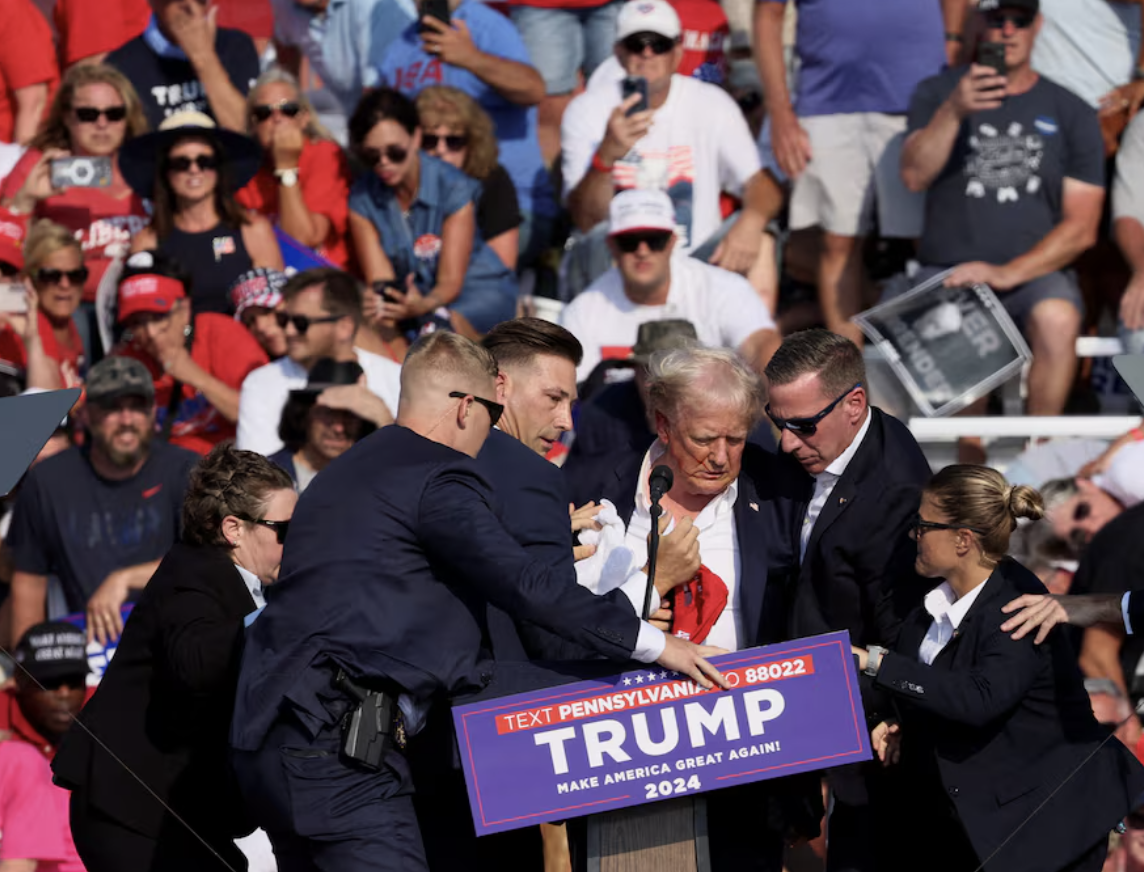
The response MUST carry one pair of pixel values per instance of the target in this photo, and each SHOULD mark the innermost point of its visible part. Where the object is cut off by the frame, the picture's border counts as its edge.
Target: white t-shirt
(1088, 46)
(722, 305)
(265, 391)
(698, 145)
(1128, 186)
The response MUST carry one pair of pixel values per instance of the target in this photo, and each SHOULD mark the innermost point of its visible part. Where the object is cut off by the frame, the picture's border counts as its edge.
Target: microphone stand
(652, 553)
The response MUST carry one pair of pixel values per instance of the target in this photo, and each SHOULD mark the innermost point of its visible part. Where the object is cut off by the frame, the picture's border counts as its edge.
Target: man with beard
(99, 518)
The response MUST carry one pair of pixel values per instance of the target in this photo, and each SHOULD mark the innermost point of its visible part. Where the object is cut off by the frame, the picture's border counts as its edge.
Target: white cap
(637, 209)
(647, 16)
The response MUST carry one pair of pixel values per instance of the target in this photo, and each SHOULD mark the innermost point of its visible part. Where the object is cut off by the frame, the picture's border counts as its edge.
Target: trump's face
(705, 440)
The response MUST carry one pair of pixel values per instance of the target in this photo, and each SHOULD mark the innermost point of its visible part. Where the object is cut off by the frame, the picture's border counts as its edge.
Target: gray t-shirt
(1000, 193)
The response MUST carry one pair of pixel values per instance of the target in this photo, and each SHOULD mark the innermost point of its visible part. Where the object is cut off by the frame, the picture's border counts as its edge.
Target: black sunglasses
(263, 111)
(73, 682)
(807, 426)
(637, 42)
(90, 114)
(280, 528)
(395, 154)
(302, 322)
(46, 276)
(495, 409)
(453, 142)
(629, 243)
(182, 163)
(918, 526)
(1020, 20)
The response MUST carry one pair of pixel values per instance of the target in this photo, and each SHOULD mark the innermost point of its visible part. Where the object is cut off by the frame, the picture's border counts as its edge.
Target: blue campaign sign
(649, 735)
(98, 656)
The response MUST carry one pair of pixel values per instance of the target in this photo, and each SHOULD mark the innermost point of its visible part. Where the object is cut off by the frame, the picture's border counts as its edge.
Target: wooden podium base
(668, 836)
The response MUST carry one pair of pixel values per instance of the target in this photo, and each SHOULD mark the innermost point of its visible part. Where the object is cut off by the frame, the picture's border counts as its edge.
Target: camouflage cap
(118, 376)
(666, 335)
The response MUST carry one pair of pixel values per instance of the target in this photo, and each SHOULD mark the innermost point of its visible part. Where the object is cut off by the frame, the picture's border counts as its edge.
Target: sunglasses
(90, 114)
(395, 154)
(495, 409)
(1081, 512)
(55, 276)
(263, 111)
(629, 243)
(72, 682)
(807, 426)
(302, 322)
(280, 528)
(637, 42)
(1020, 20)
(453, 142)
(182, 163)
(918, 527)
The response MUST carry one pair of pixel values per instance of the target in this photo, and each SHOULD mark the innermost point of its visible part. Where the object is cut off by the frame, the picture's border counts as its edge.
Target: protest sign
(949, 346)
(649, 735)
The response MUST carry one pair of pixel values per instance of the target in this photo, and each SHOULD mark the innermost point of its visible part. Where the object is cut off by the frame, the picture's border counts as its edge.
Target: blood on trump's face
(705, 438)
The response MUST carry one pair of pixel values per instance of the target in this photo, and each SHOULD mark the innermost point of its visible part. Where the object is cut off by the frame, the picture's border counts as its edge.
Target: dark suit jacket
(395, 553)
(1005, 723)
(164, 705)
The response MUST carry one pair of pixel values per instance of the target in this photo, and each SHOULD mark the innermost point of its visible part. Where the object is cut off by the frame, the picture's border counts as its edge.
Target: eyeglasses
(807, 426)
(918, 527)
(55, 276)
(629, 243)
(182, 163)
(453, 142)
(280, 528)
(495, 409)
(395, 154)
(637, 42)
(263, 111)
(302, 322)
(1020, 20)
(90, 114)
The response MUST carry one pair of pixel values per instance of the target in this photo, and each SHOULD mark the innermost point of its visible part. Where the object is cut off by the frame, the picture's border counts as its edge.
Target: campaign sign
(98, 656)
(649, 735)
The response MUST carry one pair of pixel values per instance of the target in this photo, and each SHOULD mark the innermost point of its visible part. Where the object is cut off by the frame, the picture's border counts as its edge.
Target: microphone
(660, 482)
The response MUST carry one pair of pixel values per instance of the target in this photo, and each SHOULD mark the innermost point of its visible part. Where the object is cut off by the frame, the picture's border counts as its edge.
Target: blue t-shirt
(405, 67)
(865, 55)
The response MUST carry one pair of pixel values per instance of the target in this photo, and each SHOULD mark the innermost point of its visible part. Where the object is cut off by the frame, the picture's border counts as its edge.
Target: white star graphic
(651, 676)
(663, 675)
(639, 679)
(627, 681)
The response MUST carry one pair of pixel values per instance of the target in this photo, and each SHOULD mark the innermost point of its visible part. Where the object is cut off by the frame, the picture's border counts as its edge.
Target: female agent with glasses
(164, 705)
(1004, 763)
(303, 184)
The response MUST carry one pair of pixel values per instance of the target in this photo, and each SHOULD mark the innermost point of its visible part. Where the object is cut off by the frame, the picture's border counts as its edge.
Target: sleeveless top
(214, 258)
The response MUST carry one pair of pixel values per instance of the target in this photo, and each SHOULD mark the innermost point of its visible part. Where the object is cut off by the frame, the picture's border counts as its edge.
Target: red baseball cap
(148, 292)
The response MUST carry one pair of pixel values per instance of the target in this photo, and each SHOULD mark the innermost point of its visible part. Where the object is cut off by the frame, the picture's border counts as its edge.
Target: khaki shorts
(855, 167)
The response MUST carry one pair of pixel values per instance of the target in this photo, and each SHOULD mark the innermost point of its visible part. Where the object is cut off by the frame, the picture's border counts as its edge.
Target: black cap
(51, 650)
(327, 373)
(1033, 6)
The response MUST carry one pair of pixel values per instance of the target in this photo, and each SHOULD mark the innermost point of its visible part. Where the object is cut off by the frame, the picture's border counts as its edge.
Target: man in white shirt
(648, 283)
(321, 316)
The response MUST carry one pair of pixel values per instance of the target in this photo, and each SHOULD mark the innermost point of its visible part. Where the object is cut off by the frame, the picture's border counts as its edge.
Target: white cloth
(824, 484)
(699, 144)
(609, 567)
(1124, 478)
(722, 305)
(265, 391)
(1088, 46)
(254, 585)
(947, 612)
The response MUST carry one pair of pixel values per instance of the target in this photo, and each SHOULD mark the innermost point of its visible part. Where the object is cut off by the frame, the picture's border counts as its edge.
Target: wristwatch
(874, 655)
(287, 178)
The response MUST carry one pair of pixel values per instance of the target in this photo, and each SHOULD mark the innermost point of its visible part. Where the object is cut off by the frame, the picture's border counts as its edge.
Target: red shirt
(324, 174)
(88, 28)
(226, 350)
(68, 356)
(706, 34)
(12, 719)
(255, 18)
(103, 219)
(27, 57)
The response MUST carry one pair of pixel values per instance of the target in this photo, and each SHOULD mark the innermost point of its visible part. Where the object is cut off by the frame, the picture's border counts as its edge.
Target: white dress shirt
(254, 585)
(948, 612)
(824, 484)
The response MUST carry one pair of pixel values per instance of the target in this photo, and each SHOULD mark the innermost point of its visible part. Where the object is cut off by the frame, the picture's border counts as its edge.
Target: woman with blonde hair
(457, 130)
(95, 111)
(1004, 763)
(303, 184)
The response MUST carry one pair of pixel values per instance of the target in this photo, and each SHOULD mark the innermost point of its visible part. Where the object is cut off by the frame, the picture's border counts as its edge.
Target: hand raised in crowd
(624, 130)
(979, 90)
(583, 518)
(38, 184)
(740, 247)
(790, 142)
(678, 558)
(286, 142)
(25, 323)
(358, 399)
(999, 278)
(410, 304)
(690, 659)
(887, 741)
(104, 621)
(452, 43)
(193, 29)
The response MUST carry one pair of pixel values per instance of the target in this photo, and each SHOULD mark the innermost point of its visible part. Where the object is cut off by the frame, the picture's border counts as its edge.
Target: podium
(668, 836)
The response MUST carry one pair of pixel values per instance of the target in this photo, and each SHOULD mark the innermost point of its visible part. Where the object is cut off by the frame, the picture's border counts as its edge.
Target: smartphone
(635, 85)
(992, 54)
(438, 9)
(81, 172)
(385, 290)
(13, 299)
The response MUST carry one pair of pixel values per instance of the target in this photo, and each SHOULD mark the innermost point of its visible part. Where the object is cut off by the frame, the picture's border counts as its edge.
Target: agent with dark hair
(190, 170)
(164, 706)
(1004, 762)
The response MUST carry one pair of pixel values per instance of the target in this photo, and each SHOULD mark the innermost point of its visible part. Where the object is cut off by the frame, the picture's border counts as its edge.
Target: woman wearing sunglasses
(413, 221)
(303, 184)
(1004, 762)
(164, 705)
(95, 111)
(190, 169)
(457, 130)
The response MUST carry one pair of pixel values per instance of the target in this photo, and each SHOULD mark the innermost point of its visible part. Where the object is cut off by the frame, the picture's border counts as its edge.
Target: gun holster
(367, 727)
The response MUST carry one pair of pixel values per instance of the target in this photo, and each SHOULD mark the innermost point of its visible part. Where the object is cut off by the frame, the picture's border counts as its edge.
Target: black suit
(991, 730)
(163, 708)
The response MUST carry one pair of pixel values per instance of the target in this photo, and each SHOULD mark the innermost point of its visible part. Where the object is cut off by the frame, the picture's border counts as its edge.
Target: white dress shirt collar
(942, 603)
(843, 460)
(722, 503)
(253, 584)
